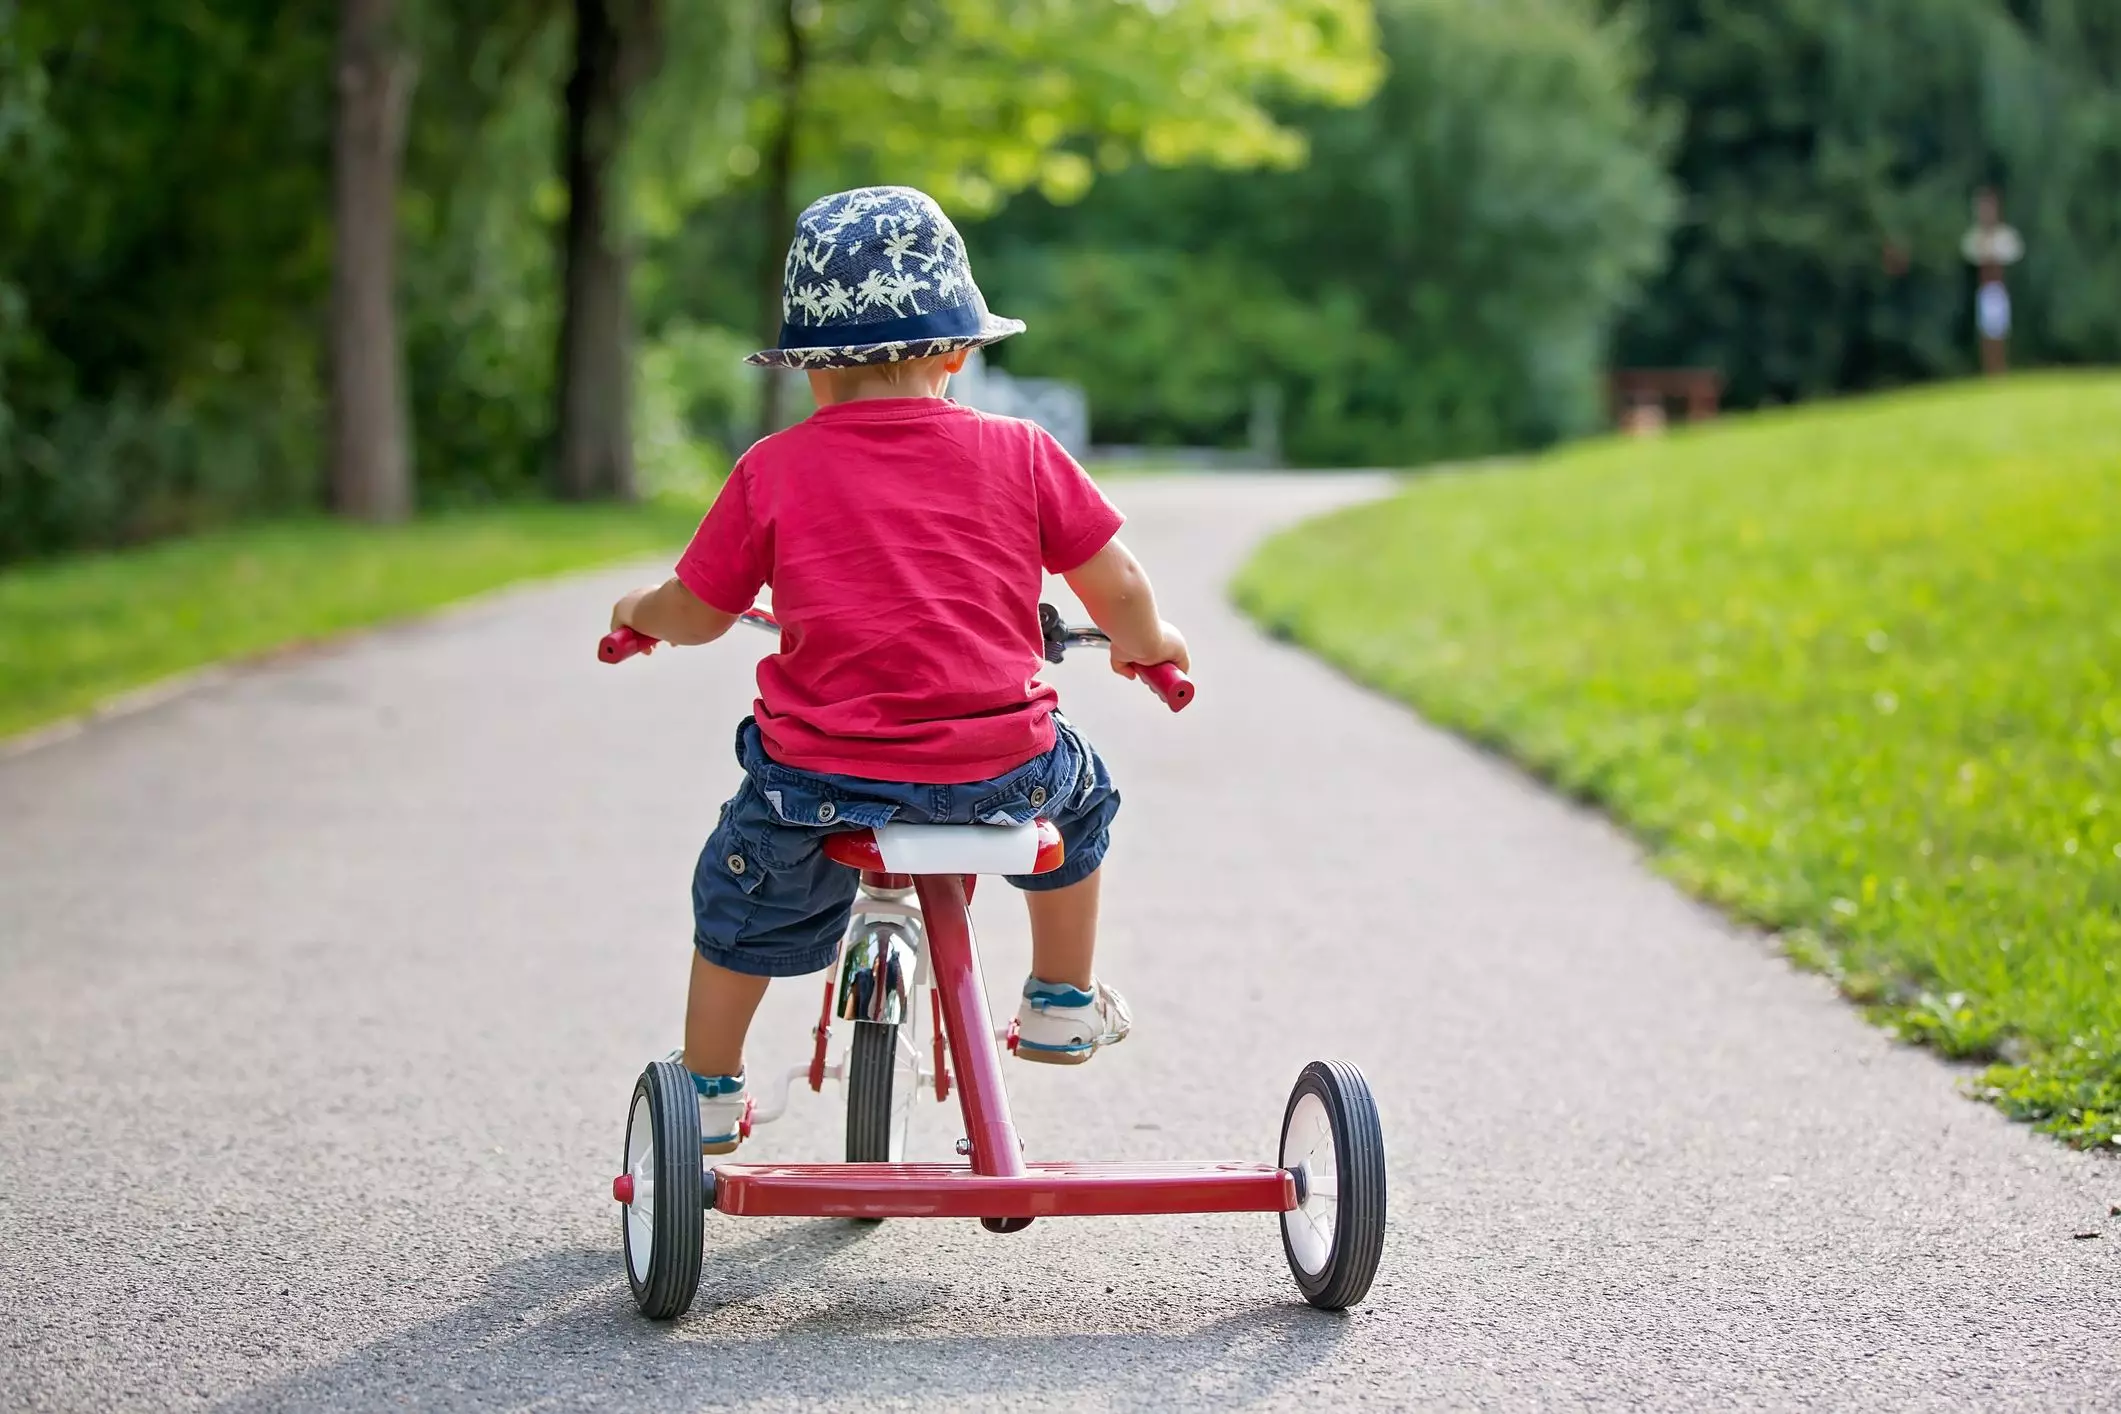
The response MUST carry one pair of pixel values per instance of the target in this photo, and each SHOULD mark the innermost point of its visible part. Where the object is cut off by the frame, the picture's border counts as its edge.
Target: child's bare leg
(718, 1009)
(1064, 931)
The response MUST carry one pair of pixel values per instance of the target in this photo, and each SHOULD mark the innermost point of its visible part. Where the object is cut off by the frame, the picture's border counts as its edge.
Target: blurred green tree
(164, 248)
(1439, 280)
(975, 100)
(373, 76)
(479, 215)
(649, 101)
(1829, 155)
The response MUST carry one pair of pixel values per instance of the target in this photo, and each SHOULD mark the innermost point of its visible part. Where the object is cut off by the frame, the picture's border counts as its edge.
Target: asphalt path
(323, 986)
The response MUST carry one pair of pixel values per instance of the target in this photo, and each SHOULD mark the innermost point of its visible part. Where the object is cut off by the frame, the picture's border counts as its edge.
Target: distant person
(903, 537)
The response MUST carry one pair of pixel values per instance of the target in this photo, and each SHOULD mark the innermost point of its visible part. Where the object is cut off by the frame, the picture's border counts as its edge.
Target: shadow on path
(773, 1327)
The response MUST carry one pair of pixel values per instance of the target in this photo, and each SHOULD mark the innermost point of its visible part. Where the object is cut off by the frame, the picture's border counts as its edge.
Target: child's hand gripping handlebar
(1170, 685)
(1163, 679)
(622, 643)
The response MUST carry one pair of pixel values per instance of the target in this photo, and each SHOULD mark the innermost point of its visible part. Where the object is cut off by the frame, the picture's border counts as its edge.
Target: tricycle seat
(950, 849)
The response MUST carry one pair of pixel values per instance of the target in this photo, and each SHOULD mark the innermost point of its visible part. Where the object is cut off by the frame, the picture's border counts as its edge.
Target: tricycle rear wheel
(662, 1227)
(1332, 1141)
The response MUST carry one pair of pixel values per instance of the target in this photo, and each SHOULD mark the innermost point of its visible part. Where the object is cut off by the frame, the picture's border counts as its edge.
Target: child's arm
(1116, 590)
(722, 565)
(672, 613)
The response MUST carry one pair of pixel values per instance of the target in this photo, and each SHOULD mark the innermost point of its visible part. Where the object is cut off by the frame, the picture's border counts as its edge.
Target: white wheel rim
(1307, 1150)
(640, 1166)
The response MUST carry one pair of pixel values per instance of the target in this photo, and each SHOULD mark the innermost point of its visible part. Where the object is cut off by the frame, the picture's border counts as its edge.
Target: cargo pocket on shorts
(745, 865)
(726, 884)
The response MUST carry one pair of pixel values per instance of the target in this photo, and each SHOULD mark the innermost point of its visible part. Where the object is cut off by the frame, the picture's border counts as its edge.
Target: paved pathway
(321, 991)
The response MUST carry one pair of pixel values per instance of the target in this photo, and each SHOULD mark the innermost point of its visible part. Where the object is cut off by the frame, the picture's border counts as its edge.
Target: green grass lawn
(1853, 672)
(75, 631)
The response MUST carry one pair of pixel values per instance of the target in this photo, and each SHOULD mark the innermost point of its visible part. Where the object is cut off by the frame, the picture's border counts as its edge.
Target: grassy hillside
(1853, 672)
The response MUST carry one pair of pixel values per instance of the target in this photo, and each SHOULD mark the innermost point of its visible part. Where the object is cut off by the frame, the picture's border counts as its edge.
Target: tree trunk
(615, 50)
(371, 464)
(776, 211)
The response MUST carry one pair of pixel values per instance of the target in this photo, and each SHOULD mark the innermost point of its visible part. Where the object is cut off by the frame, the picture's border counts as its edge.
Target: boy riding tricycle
(902, 745)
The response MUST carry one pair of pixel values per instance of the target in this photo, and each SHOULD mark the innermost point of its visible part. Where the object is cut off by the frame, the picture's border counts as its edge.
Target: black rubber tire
(1359, 1158)
(678, 1225)
(872, 1070)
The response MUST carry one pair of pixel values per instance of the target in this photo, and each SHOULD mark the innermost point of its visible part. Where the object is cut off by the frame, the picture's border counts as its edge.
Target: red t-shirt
(903, 539)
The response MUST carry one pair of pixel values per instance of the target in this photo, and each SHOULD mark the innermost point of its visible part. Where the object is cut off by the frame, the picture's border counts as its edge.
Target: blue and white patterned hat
(876, 275)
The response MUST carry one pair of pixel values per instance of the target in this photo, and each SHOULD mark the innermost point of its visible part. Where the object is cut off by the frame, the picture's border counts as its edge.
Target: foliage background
(1420, 229)
(1438, 280)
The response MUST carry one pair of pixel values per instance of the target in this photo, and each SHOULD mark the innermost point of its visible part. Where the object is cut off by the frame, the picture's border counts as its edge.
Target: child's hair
(904, 373)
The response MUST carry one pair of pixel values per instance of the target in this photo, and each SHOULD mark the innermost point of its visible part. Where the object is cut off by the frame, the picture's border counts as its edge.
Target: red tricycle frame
(1329, 1186)
(997, 1183)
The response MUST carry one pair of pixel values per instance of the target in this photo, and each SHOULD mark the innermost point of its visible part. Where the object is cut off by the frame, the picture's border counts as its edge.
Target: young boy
(903, 537)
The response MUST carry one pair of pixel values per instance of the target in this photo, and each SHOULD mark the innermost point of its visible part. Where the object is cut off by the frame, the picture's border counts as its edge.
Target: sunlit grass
(76, 631)
(1853, 672)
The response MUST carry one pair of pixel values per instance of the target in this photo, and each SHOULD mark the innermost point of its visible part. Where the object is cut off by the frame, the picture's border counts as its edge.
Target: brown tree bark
(776, 211)
(617, 45)
(371, 462)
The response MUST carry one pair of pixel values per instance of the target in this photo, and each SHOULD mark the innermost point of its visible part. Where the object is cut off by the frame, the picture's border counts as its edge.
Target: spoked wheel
(1332, 1142)
(882, 1083)
(662, 1190)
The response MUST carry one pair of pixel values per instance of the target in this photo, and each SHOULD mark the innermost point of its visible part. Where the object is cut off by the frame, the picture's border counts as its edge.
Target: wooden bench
(1640, 396)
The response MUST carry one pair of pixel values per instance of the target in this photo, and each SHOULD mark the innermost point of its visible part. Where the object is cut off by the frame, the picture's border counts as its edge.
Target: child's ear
(955, 362)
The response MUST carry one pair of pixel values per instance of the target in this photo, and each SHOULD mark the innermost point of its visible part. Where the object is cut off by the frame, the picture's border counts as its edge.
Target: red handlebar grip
(622, 643)
(1167, 682)
(1163, 679)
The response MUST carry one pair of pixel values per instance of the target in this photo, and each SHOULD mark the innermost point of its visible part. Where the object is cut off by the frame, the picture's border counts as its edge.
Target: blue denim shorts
(765, 899)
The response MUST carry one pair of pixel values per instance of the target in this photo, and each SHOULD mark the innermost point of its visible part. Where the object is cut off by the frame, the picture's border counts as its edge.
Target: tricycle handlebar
(622, 643)
(1170, 685)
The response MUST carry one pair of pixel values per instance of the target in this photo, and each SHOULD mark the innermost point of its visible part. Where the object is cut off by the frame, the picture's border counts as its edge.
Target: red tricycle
(911, 931)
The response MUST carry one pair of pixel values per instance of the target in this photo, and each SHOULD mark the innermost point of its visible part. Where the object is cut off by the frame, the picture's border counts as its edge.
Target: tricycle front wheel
(880, 1094)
